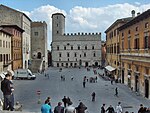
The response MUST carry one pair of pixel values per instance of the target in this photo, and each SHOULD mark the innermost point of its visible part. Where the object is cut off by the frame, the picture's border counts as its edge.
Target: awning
(110, 68)
(2, 75)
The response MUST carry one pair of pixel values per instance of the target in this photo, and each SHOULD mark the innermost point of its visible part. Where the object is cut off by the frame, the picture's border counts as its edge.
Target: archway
(96, 63)
(146, 88)
(39, 55)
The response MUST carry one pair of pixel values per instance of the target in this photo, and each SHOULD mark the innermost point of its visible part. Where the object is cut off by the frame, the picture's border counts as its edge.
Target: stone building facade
(112, 45)
(16, 45)
(5, 50)
(9, 16)
(135, 53)
(71, 50)
(39, 46)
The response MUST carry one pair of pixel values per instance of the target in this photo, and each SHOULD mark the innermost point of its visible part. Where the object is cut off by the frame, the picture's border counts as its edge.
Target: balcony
(7, 63)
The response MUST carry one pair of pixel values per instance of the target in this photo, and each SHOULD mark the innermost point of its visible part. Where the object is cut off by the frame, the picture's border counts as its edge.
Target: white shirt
(118, 109)
(70, 109)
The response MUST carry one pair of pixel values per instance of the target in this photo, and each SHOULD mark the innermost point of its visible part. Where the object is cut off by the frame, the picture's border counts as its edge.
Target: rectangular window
(92, 47)
(78, 47)
(146, 40)
(122, 44)
(57, 47)
(59, 54)
(118, 48)
(75, 54)
(71, 47)
(114, 48)
(64, 47)
(94, 55)
(136, 43)
(3, 43)
(84, 54)
(85, 47)
(68, 55)
(35, 33)
(129, 43)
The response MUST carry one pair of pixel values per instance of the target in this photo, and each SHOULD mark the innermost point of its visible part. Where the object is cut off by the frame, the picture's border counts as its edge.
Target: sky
(86, 16)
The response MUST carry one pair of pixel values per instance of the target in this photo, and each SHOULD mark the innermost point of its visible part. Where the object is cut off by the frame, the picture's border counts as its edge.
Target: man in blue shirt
(46, 108)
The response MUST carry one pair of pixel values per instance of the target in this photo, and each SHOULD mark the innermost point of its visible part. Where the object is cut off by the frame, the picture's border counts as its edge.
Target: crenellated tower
(58, 24)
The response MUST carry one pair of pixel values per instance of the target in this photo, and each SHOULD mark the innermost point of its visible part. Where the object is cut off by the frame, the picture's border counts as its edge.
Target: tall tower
(58, 24)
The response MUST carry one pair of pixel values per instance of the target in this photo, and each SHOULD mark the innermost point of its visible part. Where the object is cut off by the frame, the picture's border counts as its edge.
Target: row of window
(67, 64)
(75, 55)
(113, 48)
(16, 56)
(113, 33)
(137, 43)
(4, 44)
(16, 43)
(65, 48)
(5, 58)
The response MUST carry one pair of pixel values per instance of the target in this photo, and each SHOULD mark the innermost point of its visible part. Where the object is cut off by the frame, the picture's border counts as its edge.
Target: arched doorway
(39, 55)
(96, 63)
(146, 88)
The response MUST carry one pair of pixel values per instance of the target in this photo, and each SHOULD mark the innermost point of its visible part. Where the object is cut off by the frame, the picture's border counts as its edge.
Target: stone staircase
(35, 65)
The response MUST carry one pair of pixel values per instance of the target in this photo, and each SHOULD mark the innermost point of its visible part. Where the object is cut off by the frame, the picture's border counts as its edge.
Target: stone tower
(58, 25)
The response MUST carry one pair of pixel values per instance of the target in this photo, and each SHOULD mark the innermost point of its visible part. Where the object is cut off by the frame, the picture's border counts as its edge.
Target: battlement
(80, 34)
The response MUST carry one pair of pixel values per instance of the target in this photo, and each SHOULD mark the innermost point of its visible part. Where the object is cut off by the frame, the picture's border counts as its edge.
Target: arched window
(39, 55)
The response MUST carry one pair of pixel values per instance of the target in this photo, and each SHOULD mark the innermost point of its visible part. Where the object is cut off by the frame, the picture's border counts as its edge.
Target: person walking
(116, 91)
(119, 108)
(93, 96)
(103, 109)
(7, 89)
(68, 101)
(70, 108)
(110, 109)
(59, 108)
(49, 100)
(84, 84)
(45, 108)
(64, 101)
(81, 108)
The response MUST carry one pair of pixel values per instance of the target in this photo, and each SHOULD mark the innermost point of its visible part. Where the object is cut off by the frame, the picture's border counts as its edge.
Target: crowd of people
(67, 108)
(81, 108)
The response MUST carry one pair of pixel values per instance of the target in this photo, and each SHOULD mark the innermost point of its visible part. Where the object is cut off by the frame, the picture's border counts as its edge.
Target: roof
(58, 14)
(135, 20)
(1, 5)
(4, 31)
(13, 26)
(122, 20)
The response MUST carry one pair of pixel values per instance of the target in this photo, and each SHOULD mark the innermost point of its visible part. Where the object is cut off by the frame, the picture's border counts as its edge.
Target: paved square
(26, 91)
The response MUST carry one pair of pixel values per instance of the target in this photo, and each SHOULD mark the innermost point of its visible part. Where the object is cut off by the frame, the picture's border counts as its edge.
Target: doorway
(146, 88)
(136, 83)
(123, 76)
(86, 64)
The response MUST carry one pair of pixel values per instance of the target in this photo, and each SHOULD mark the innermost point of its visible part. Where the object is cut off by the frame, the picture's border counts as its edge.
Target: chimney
(133, 13)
